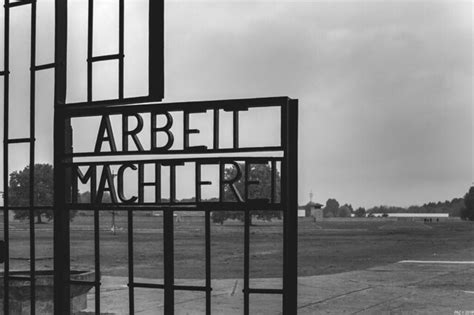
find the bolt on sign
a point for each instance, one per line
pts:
(133, 156)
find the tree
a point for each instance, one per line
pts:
(344, 212)
(19, 191)
(331, 208)
(258, 172)
(360, 212)
(468, 212)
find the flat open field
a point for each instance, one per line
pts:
(324, 247)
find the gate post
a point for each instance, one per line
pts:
(290, 224)
(62, 143)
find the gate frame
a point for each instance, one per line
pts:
(63, 184)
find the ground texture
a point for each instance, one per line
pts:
(345, 266)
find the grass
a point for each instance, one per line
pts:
(331, 246)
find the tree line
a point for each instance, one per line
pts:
(457, 207)
(43, 196)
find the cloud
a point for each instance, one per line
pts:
(385, 87)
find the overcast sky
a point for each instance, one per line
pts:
(385, 87)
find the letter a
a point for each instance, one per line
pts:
(101, 137)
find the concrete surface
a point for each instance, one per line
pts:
(400, 288)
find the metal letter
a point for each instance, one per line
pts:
(105, 126)
(120, 183)
(199, 183)
(230, 182)
(166, 129)
(91, 175)
(187, 132)
(106, 178)
(142, 183)
(132, 133)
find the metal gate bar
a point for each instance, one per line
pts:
(62, 144)
(131, 295)
(31, 207)
(6, 113)
(97, 260)
(287, 203)
(155, 56)
(64, 162)
(32, 159)
(290, 199)
(63, 138)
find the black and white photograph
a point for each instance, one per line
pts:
(236, 157)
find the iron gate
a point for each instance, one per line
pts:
(67, 162)
(28, 121)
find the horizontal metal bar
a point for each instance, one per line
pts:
(82, 282)
(106, 57)
(4, 72)
(202, 160)
(26, 207)
(265, 291)
(45, 66)
(192, 288)
(202, 206)
(16, 4)
(102, 103)
(276, 149)
(20, 140)
(84, 109)
(19, 278)
(175, 287)
(146, 285)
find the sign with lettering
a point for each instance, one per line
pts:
(169, 145)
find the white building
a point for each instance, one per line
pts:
(430, 217)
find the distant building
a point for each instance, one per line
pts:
(311, 209)
(407, 216)
(419, 216)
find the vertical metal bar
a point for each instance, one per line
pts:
(284, 197)
(97, 260)
(156, 50)
(290, 216)
(246, 248)
(185, 128)
(61, 215)
(6, 90)
(121, 47)
(172, 183)
(62, 144)
(236, 129)
(216, 129)
(197, 178)
(131, 297)
(32, 160)
(208, 261)
(221, 178)
(90, 34)
(168, 249)
(273, 174)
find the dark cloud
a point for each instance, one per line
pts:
(384, 87)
